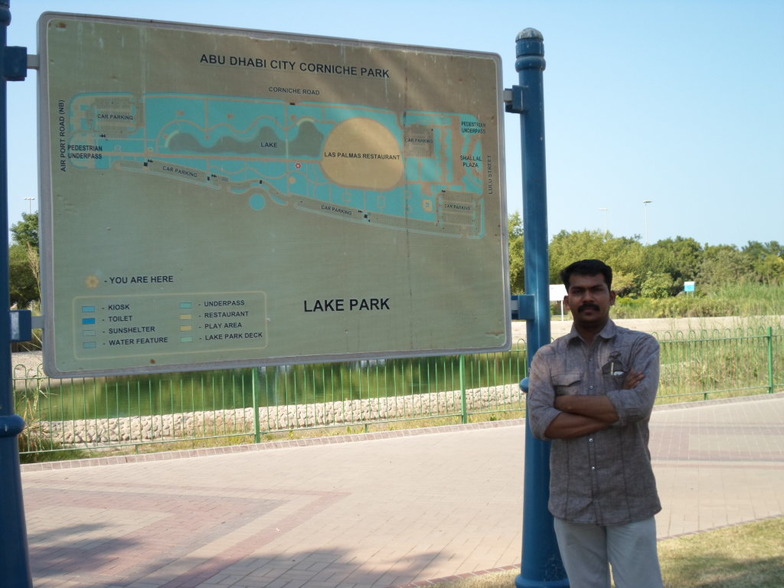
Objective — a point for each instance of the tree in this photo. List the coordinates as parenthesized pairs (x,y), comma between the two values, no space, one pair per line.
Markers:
(26,231)
(24,264)
(23,283)
(567,247)
(723,265)
(516,254)
(656,285)
(767,260)
(679,258)
(623,254)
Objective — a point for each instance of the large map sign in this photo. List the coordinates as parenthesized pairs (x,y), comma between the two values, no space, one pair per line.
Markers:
(222,197)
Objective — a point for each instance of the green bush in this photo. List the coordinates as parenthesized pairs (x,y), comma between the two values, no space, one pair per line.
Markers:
(739,300)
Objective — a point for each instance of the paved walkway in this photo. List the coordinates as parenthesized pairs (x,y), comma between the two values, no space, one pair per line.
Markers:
(377,511)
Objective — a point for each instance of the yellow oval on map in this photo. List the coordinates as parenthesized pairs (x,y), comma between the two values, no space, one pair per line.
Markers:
(362,153)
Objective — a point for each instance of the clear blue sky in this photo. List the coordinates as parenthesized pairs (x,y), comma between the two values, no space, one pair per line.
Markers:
(673,101)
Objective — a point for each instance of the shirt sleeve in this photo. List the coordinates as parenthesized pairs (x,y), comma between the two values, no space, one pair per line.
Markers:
(637,403)
(541,394)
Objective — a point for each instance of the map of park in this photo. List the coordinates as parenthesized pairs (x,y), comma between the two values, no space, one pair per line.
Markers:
(231,198)
(420,171)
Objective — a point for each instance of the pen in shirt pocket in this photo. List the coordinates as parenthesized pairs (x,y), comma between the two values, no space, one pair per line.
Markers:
(614,367)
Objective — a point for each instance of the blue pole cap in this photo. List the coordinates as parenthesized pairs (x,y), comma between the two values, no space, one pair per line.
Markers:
(529,49)
(11,425)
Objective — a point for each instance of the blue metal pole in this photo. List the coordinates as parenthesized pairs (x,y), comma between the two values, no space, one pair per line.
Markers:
(541,560)
(14,561)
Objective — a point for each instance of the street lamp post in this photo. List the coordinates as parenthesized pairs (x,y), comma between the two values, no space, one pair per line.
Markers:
(645,204)
(30,200)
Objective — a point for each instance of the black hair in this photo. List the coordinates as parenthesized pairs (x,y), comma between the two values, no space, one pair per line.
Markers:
(587,267)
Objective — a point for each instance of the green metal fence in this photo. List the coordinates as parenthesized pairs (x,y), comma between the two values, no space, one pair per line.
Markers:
(712,364)
(250,405)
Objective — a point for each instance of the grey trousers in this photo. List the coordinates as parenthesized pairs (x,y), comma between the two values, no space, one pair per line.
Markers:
(588,551)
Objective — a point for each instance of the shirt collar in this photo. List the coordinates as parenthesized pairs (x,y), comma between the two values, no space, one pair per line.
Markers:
(608,332)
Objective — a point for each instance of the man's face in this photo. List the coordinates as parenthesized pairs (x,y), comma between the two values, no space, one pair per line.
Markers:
(590,300)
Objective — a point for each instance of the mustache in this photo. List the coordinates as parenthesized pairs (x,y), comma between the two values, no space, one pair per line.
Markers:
(588,307)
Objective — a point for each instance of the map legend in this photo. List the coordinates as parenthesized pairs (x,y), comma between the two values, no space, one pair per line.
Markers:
(132,325)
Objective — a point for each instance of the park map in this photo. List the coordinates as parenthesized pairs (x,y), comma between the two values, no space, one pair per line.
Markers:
(221,197)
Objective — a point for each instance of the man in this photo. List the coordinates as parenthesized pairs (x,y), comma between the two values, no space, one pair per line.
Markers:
(591,393)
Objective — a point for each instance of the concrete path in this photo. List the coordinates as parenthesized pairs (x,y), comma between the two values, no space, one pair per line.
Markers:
(383,510)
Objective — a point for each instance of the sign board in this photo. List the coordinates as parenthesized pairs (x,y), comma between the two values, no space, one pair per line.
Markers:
(557,292)
(225,198)
(689,286)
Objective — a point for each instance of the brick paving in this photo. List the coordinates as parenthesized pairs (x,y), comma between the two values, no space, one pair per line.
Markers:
(379,510)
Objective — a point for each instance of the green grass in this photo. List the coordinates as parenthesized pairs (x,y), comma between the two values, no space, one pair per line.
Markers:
(750,555)
(731,363)
(743,556)
(169,393)
(734,300)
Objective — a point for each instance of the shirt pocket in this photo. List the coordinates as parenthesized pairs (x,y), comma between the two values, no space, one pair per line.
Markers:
(614,372)
(613,382)
(567,384)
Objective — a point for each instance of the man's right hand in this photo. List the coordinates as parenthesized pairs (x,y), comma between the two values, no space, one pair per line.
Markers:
(632,379)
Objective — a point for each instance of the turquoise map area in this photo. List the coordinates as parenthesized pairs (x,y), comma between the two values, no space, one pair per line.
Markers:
(417,171)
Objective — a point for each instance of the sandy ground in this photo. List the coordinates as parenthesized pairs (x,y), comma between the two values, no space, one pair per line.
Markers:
(29,364)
